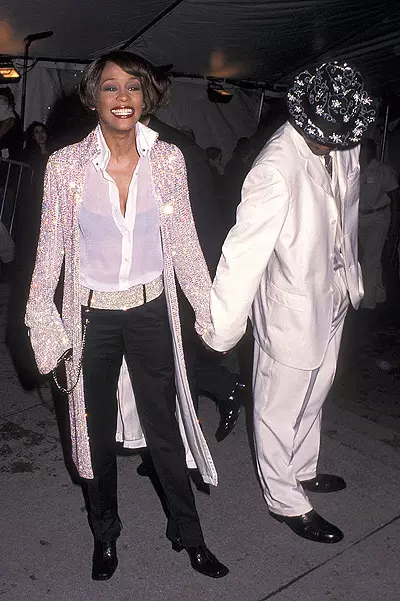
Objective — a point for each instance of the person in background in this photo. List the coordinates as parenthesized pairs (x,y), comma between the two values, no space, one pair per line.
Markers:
(379,210)
(7,250)
(188,131)
(10,150)
(291,259)
(37,150)
(214,158)
(11,137)
(235,173)
(116,211)
(35,154)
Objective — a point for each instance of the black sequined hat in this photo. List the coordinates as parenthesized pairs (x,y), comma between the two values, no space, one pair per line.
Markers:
(331,104)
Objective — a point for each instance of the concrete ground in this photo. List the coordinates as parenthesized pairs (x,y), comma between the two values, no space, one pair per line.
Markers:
(46,546)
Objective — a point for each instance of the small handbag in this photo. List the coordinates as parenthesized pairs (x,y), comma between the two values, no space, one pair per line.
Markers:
(67,356)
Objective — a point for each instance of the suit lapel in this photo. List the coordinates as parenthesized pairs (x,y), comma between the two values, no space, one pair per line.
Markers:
(318,174)
(313,164)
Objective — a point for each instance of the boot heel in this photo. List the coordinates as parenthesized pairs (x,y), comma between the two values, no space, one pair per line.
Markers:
(177,547)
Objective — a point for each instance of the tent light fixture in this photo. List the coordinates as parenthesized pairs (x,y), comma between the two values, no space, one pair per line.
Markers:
(218,91)
(8,73)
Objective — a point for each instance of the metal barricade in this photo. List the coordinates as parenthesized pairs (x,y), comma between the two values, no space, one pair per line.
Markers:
(13,175)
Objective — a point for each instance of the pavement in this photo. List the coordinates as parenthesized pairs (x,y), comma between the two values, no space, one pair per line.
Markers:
(46,545)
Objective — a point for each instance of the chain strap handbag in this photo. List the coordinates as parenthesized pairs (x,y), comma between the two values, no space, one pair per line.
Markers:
(67,356)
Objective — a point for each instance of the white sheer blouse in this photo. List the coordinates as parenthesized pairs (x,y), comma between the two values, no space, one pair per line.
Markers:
(116,251)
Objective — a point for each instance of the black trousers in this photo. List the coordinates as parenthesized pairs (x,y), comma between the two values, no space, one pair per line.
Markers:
(143,335)
(205,372)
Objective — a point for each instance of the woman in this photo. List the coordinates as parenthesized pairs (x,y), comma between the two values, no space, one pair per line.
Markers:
(36,154)
(116,210)
(37,151)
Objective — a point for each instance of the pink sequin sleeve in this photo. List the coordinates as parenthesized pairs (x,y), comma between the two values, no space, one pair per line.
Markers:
(188,260)
(47,334)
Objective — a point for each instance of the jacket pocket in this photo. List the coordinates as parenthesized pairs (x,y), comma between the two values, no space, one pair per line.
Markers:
(297,302)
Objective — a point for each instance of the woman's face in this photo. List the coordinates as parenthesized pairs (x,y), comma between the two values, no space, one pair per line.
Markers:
(39,134)
(120,99)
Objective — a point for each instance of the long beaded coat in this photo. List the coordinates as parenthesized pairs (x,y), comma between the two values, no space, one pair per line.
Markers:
(51,334)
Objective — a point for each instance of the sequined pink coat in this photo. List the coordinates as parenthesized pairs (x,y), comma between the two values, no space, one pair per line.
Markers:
(51,334)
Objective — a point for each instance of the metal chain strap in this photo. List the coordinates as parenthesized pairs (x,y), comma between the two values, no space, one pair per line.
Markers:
(54,372)
(75,384)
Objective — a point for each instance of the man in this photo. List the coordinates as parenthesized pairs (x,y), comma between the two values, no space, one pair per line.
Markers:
(379,209)
(292,256)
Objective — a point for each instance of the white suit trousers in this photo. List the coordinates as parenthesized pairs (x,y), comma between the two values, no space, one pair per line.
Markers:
(287,416)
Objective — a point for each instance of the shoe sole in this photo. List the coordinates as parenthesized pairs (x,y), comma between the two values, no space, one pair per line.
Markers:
(101,578)
(220,575)
(322,490)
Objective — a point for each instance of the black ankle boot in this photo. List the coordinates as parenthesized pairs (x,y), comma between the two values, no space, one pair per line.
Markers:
(229,410)
(105,560)
(202,560)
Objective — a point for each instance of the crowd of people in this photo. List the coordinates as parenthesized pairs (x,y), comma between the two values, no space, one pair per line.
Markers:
(154,261)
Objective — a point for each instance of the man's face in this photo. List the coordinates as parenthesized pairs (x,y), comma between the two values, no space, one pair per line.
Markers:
(317,147)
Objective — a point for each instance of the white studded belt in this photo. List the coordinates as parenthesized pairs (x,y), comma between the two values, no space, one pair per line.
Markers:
(122,300)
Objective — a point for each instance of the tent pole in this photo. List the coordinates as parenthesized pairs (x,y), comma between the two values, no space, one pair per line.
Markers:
(147,27)
(24,80)
(260,108)
(385,130)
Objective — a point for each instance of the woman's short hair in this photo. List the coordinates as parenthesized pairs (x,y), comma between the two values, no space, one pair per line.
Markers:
(156,85)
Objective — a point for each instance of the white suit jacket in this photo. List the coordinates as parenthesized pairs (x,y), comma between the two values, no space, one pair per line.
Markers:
(277,261)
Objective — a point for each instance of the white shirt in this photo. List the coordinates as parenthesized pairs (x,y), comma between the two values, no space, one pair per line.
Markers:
(117,251)
(338,260)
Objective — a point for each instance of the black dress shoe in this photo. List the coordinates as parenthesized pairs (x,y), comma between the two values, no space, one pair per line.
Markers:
(105,560)
(324,483)
(202,560)
(312,526)
(229,410)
